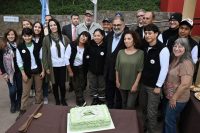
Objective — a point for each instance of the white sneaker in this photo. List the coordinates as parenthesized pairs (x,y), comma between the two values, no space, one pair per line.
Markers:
(46,100)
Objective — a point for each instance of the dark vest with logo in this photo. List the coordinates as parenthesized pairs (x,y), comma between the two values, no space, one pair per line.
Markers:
(26,57)
(73,56)
(152,67)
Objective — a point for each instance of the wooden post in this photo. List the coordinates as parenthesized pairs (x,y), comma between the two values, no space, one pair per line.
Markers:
(189,8)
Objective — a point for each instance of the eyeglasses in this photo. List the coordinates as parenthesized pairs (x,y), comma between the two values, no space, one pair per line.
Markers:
(146,18)
(139,16)
(117,25)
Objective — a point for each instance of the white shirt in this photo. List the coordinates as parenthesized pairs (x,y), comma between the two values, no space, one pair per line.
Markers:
(78,58)
(164,65)
(194,54)
(20,61)
(115,41)
(56,61)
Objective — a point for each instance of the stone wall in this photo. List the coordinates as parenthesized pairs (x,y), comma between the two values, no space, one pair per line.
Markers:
(129,16)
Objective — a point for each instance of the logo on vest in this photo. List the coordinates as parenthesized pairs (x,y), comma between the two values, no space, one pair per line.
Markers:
(23,51)
(102,53)
(152,61)
(87,57)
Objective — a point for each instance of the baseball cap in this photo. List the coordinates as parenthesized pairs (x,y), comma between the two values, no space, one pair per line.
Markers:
(89,12)
(188,22)
(119,14)
(176,16)
(106,20)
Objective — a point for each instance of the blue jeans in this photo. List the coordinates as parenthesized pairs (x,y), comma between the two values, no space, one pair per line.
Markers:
(15,89)
(171,116)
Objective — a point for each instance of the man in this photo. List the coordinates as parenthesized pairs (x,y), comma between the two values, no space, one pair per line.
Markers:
(156,62)
(115,42)
(88,25)
(149,17)
(107,25)
(70,29)
(140,14)
(174,22)
(47,18)
(184,31)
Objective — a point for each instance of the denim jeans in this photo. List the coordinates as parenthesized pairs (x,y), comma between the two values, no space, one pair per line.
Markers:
(171,116)
(15,89)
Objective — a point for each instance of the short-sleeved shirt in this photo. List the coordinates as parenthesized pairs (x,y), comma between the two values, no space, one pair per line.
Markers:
(174,80)
(128,66)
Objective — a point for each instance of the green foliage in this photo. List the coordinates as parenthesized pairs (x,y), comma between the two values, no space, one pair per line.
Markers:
(78,6)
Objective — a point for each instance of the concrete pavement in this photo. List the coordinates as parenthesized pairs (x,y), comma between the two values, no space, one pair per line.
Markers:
(7,118)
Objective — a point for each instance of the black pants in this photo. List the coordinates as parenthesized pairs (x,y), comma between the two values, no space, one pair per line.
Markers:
(79,83)
(113,96)
(60,78)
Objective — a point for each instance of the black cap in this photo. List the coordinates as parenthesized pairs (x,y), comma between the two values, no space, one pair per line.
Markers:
(176,16)
(106,20)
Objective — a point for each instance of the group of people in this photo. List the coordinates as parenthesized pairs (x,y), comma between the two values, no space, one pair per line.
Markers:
(122,67)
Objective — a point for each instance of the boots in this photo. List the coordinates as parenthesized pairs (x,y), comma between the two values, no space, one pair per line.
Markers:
(12,108)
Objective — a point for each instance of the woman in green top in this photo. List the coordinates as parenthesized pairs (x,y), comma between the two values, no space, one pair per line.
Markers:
(129,65)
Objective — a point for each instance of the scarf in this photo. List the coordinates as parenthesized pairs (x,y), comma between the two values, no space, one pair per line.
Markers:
(56,39)
(8,63)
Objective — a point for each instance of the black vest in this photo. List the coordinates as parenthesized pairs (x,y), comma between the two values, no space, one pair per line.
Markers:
(152,67)
(26,57)
(73,55)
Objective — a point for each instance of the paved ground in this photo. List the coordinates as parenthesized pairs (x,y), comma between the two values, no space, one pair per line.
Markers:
(7,118)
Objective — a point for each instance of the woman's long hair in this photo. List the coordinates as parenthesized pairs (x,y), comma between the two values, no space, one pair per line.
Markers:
(58,29)
(187,54)
(84,33)
(6,34)
(41,34)
(136,38)
(102,32)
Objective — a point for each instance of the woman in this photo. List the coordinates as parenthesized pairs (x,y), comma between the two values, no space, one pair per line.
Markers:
(10,70)
(54,60)
(129,65)
(77,66)
(95,57)
(29,63)
(26,24)
(38,35)
(177,84)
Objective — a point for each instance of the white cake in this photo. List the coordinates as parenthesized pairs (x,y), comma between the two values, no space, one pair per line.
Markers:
(89,117)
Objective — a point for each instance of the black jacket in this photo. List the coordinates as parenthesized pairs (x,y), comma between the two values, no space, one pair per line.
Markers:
(169,33)
(95,57)
(67,30)
(111,56)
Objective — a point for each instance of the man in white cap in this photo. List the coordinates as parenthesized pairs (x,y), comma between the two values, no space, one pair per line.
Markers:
(88,25)
(184,31)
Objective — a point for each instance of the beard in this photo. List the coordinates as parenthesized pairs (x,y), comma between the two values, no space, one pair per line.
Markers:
(117,31)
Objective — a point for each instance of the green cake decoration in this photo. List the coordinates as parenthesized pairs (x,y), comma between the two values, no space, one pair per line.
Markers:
(89,117)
